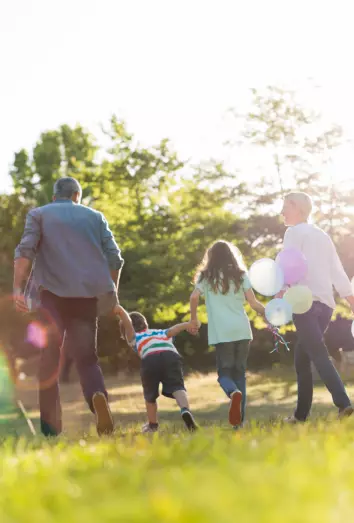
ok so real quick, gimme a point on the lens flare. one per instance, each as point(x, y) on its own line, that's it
point(37, 335)
point(28, 337)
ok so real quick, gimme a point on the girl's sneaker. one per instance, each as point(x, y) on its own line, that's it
point(150, 427)
point(189, 420)
point(235, 414)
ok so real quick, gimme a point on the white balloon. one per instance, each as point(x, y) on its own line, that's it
point(266, 277)
point(278, 312)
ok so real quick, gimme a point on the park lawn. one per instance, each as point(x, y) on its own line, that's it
point(267, 472)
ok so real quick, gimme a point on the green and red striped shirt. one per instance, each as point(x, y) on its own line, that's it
point(152, 341)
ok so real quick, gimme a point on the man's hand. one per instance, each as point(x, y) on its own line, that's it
point(20, 301)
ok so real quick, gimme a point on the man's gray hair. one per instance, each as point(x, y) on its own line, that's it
point(66, 187)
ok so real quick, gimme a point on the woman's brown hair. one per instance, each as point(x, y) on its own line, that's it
point(220, 266)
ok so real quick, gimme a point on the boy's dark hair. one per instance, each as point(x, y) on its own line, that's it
point(221, 265)
point(139, 321)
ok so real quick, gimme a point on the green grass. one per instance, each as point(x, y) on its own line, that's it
point(267, 472)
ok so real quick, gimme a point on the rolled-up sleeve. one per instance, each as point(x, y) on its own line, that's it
point(27, 248)
point(109, 246)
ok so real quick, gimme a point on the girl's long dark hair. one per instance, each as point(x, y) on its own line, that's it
point(221, 265)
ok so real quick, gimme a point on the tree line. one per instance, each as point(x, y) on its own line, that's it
point(164, 212)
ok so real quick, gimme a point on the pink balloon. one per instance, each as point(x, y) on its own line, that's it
point(37, 335)
point(294, 265)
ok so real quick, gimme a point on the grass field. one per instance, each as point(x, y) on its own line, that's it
point(267, 472)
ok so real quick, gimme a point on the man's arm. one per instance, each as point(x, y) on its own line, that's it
point(111, 251)
point(22, 269)
point(25, 253)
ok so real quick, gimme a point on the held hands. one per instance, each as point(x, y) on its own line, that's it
point(193, 327)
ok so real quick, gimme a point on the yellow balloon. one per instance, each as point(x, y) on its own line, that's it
point(300, 298)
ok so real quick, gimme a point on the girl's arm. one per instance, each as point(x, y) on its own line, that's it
point(254, 303)
point(194, 301)
point(128, 330)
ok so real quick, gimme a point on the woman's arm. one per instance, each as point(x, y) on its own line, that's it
point(194, 302)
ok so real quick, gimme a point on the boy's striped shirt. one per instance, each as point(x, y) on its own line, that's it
point(151, 341)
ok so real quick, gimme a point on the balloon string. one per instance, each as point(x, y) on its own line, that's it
point(278, 339)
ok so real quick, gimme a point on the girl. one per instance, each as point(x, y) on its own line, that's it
point(224, 283)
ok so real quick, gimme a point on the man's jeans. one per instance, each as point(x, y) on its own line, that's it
point(231, 362)
point(76, 319)
point(310, 328)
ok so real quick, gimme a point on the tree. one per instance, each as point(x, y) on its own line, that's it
point(12, 217)
point(300, 149)
point(63, 152)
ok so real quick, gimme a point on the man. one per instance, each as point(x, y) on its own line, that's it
point(75, 261)
point(325, 271)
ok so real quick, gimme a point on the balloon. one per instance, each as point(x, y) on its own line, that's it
point(294, 265)
point(353, 328)
point(300, 298)
point(266, 277)
point(278, 312)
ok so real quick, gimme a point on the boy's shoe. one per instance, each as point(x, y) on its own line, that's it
point(235, 414)
point(346, 412)
point(189, 420)
point(150, 427)
point(104, 420)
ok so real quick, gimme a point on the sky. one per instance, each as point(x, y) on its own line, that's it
point(170, 68)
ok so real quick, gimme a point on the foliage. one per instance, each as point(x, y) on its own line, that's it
point(165, 213)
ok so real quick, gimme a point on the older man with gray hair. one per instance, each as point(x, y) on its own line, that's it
point(74, 260)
